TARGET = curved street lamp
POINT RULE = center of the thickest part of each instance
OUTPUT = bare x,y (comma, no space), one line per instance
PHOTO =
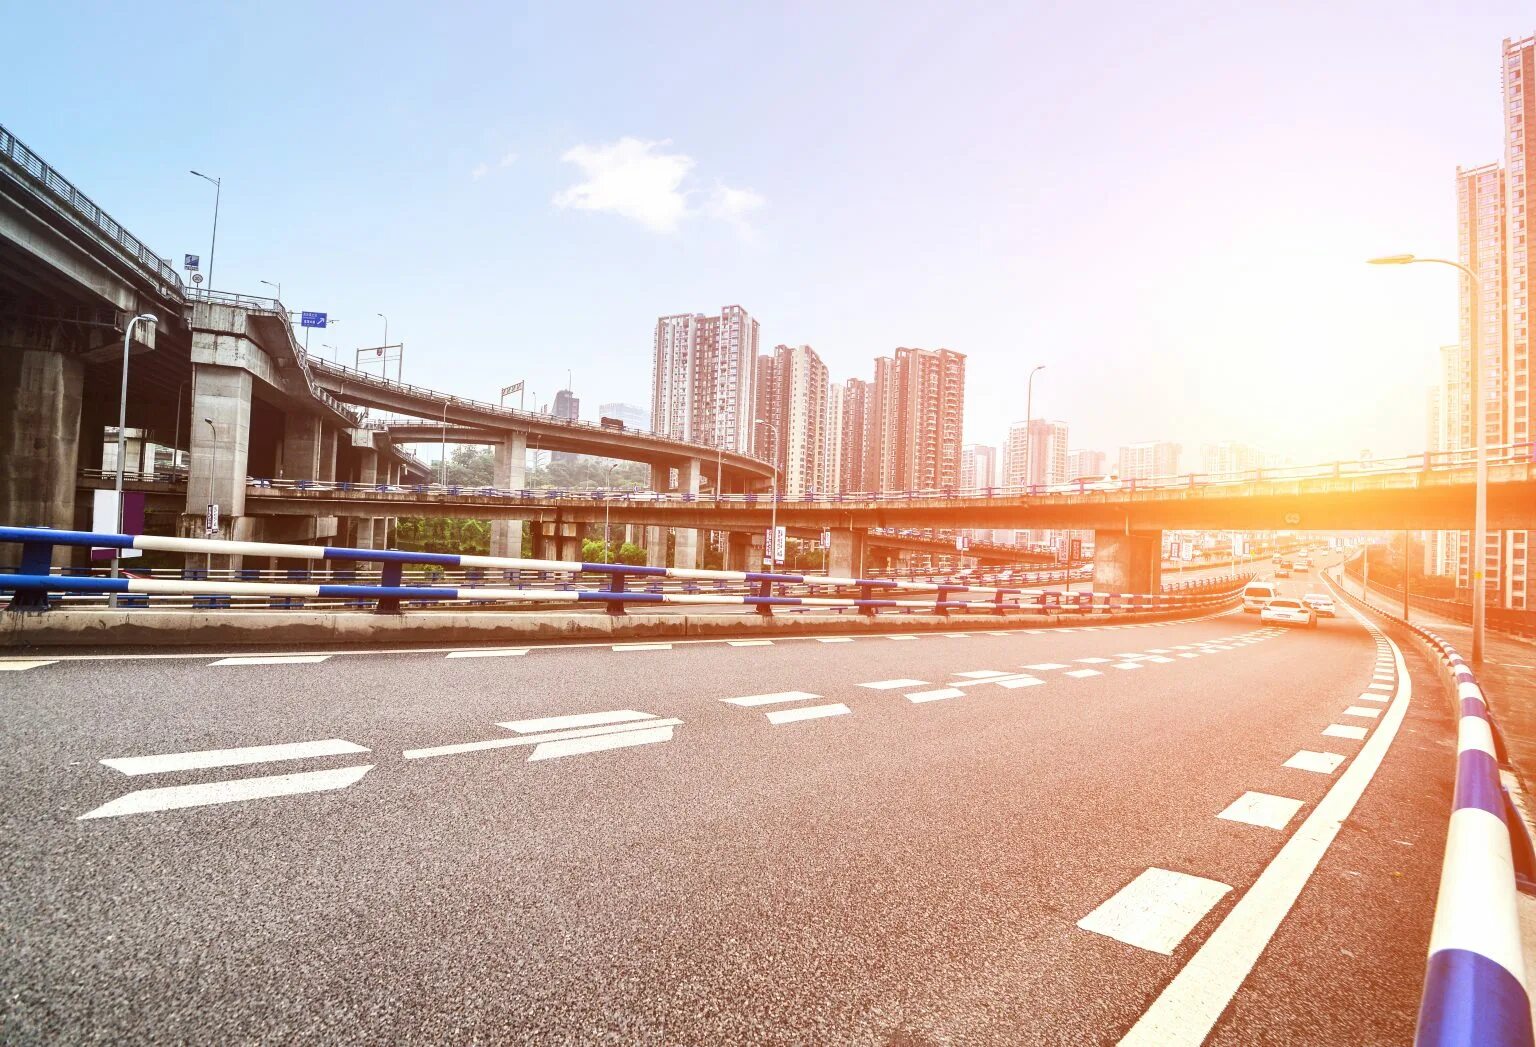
122,441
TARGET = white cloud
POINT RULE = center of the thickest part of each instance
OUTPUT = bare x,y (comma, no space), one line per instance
480,171
507,160
642,181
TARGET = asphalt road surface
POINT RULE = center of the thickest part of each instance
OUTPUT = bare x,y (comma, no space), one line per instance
969,838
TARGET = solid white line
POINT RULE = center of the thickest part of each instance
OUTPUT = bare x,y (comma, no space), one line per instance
1261,809
21,666
600,743
749,643
562,723
274,659
642,647
1187,1009
1083,673
175,797
771,699
136,765
936,695
1321,763
508,653
891,685
1339,730
809,712
1156,910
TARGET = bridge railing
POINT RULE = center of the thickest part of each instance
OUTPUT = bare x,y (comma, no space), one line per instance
1474,983
62,194
33,581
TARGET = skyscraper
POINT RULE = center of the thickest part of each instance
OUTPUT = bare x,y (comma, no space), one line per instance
1081,463
567,405
923,411
1143,461
832,444
978,467
1519,262
1230,456
858,436
703,378
1037,453
800,411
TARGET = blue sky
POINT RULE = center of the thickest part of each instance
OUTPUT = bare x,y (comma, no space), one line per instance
1166,205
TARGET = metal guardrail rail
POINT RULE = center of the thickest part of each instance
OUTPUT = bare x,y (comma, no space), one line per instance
60,193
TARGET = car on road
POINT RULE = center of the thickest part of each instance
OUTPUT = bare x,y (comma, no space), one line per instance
1257,594
1282,572
1285,610
1322,603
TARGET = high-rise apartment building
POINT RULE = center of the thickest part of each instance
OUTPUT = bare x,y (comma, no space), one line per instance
1229,457
632,416
930,409
1449,428
832,442
979,467
1037,453
765,438
1519,267
1081,463
1143,461
801,418
703,378
855,475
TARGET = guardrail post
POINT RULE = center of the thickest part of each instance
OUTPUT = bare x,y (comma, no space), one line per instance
617,586
36,559
390,576
765,588
867,594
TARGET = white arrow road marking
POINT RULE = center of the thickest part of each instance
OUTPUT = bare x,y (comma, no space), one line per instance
273,659
1156,910
1262,809
564,723
1322,763
174,797
22,665
810,712
135,765
598,743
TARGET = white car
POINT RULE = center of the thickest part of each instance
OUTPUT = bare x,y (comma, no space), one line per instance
1322,604
1284,610
1257,594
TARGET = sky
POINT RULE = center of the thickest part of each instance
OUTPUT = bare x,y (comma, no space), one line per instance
1169,206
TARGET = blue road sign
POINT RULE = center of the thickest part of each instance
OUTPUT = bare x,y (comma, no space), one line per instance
311,319
190,261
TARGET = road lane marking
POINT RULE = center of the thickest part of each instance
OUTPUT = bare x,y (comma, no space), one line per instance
536,739
1369,714
963,636
750,700
1158,650
1321,763
273,659
564,723
1339,730
136,765
834,639
175,797
935,695
902,636
21,666
1019,681
1043,667
1127,665
1189,654
600,743
642,647
1093,661
1158,659
1261,809
983,674
1188,1007
1083,673
891,685
511,652
749,643
1156,910
808,712
1372,696
1379,687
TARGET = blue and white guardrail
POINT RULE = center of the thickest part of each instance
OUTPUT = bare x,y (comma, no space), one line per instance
1475,990
34,580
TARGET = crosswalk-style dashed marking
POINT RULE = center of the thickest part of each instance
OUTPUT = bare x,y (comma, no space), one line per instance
1082,674
935,695
1320,763
1045,667
1372,696
1094,661
1127,665
776,698
811,712
1262,809
1339,730
1157,910
892,685
1368,714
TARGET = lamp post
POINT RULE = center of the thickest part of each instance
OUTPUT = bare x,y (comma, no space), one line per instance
607,502
278,286
122,442
1478,561
213,472
1029,414
218,189
773,526
442,456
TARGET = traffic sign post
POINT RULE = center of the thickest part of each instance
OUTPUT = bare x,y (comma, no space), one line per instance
190,262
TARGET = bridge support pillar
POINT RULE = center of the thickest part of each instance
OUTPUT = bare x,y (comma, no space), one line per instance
1127,562
685,547
301,447
219,437
567,541
40,398
510,475
846,557
740,546
656,547
326,467
368,528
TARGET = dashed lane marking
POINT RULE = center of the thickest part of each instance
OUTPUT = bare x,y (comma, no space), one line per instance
1159,659
834,639
1262,809
1189,654
566,723
776,698
647,735
511,652
1372,696
1156,910
935,695
273,659
1094,661
749,643
902,636
983,674
1339,730
1014,683
642,647
1127,665
136,765
1082,673
1046,666
809,712
963,636
891,685
174,797
21,666
1380,687
1321,763
1369,714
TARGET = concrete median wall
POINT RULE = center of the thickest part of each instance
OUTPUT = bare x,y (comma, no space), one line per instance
141,628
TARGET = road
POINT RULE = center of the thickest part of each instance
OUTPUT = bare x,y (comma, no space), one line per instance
970,838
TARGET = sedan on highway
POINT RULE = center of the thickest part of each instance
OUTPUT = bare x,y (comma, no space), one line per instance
1286,611
1322,604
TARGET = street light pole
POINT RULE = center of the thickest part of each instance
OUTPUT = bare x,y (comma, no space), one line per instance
218,189
607,502
1478,561
278,286
443,454
1029,415
213,472
122,443
769,547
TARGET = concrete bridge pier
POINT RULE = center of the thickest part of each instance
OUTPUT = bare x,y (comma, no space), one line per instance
367,473
40,398
685,547
1127,561
511,473
846,557
219,435
656,547
744,551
